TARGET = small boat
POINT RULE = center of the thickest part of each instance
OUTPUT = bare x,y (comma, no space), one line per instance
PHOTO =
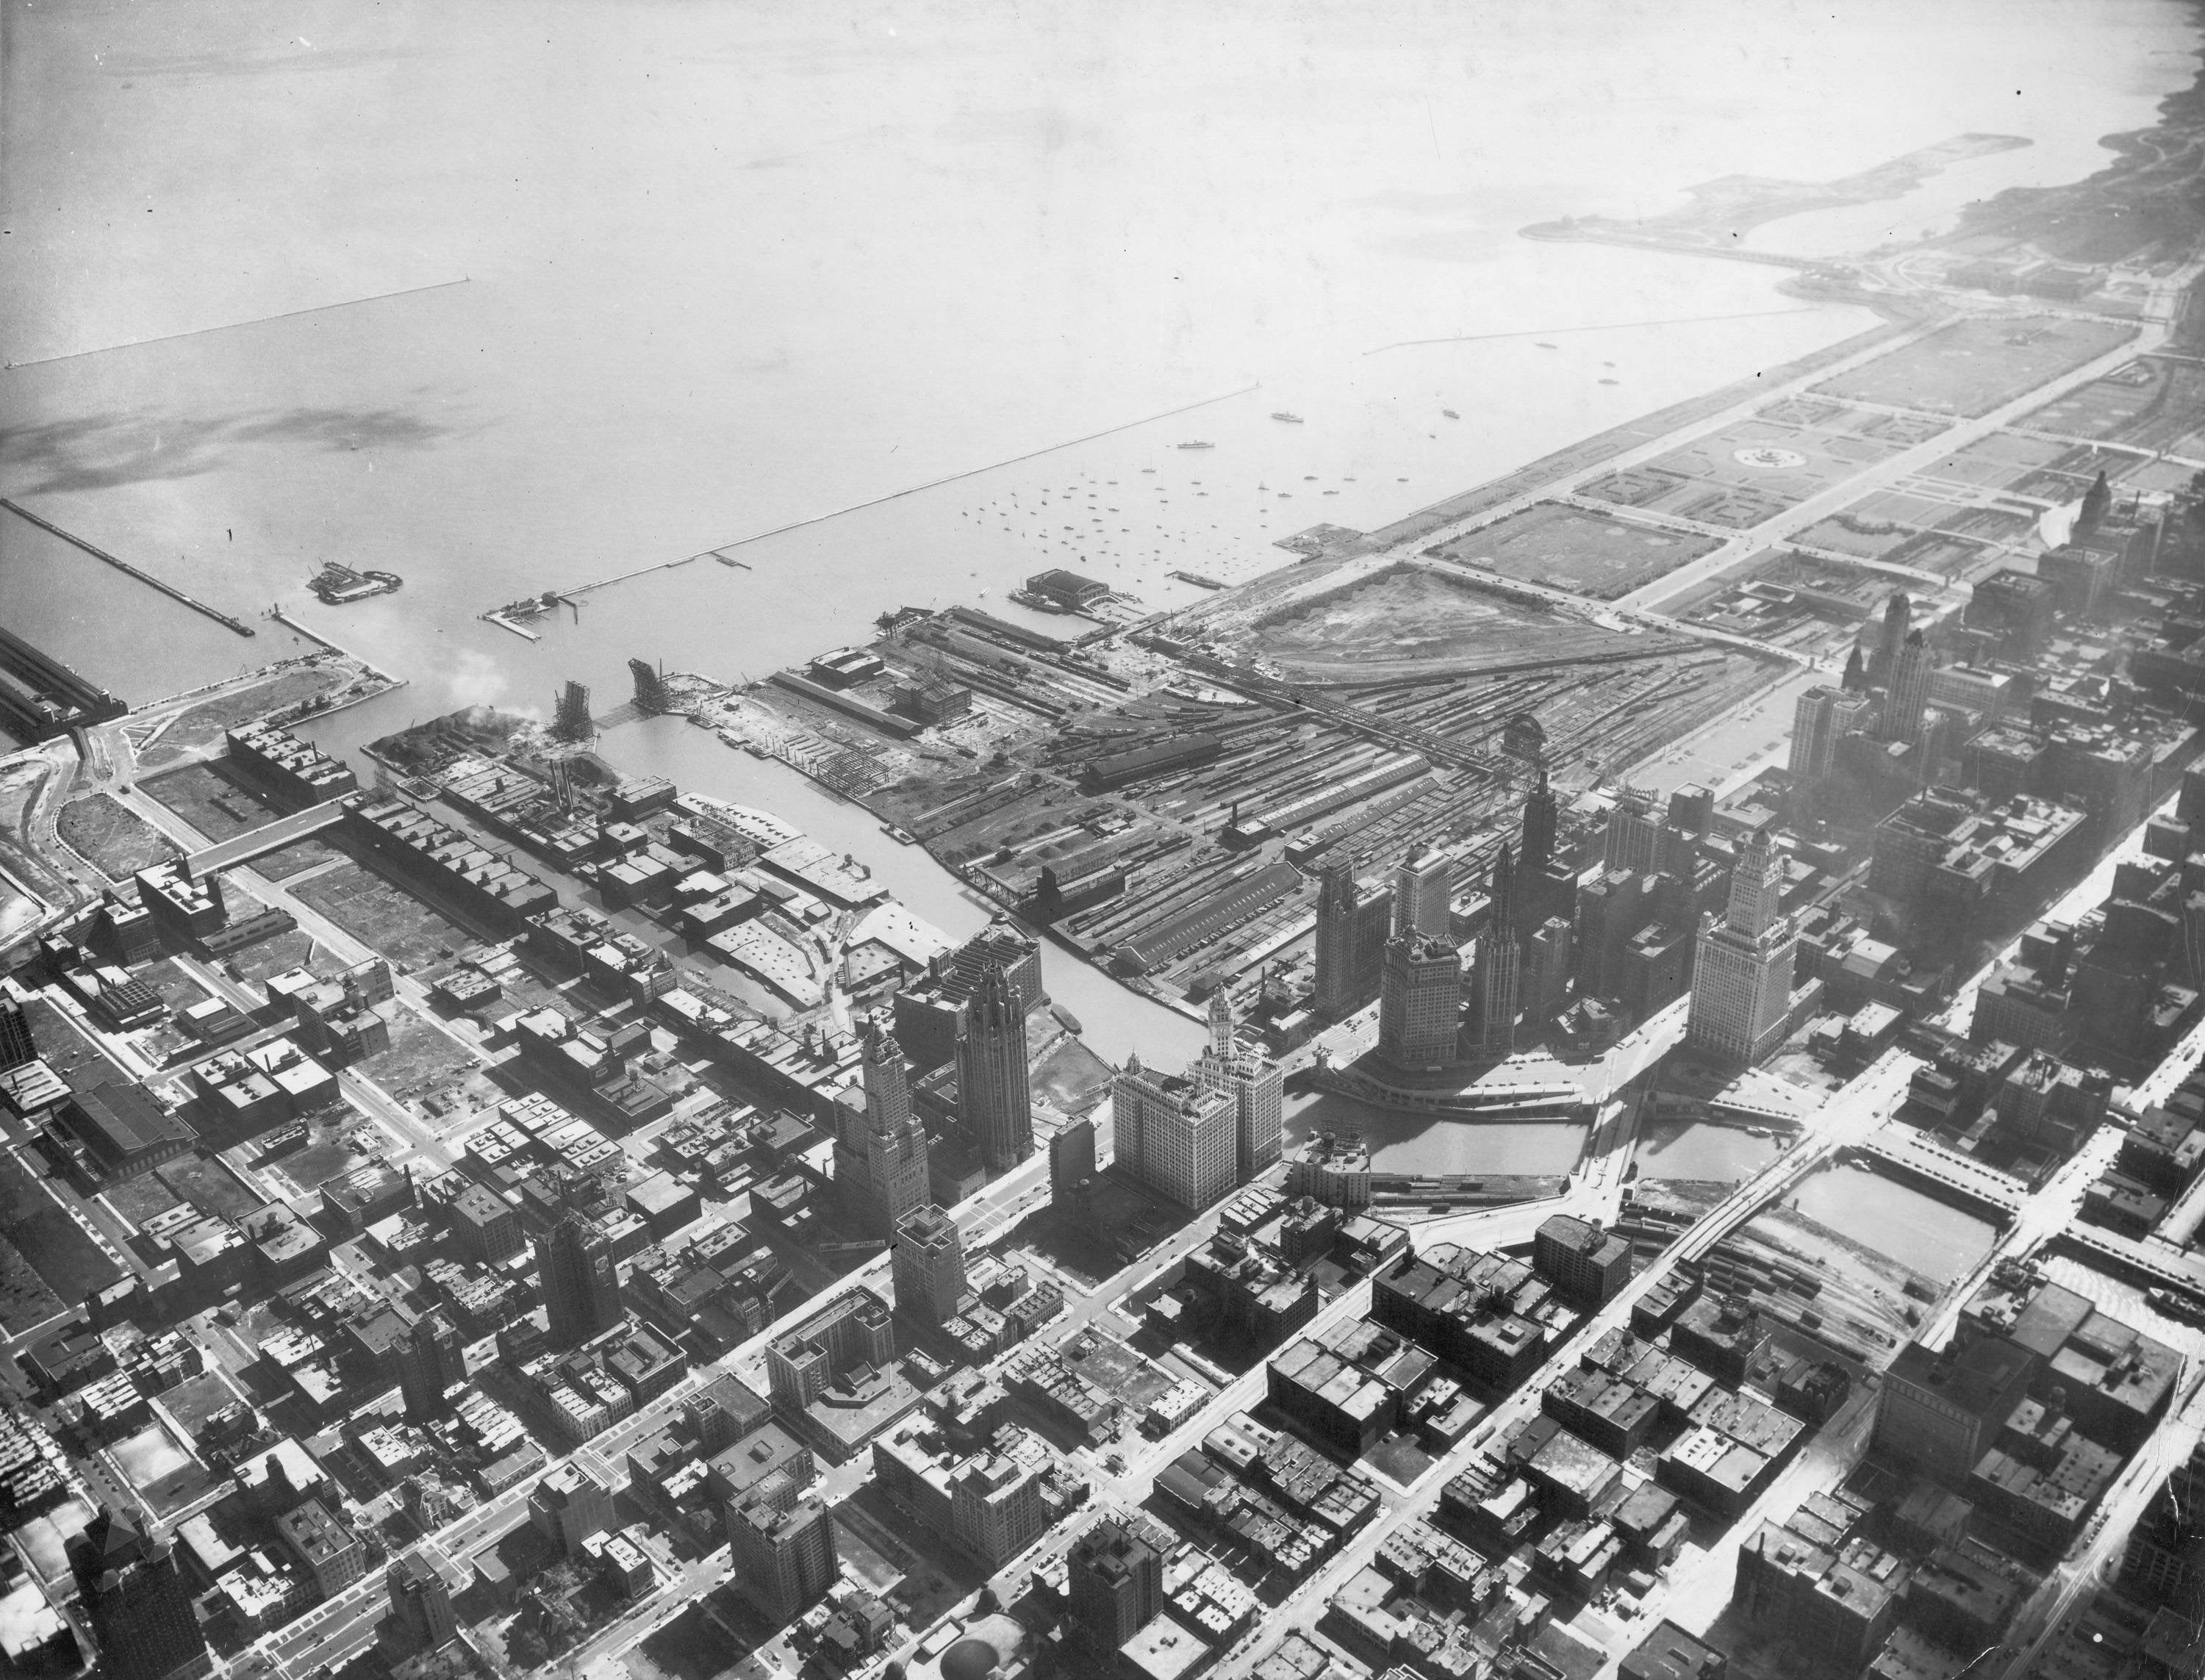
1196,443
901,837
1543,345
1450,414
1291,420
1610,381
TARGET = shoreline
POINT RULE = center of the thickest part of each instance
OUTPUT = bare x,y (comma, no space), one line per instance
1908,307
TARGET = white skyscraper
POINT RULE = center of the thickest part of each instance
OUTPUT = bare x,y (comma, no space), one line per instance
1742,971
1422,888
1174,1136
1821,719
1255,1082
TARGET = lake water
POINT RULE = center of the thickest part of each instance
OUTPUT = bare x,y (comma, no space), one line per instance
1893,1219
503,297
728,267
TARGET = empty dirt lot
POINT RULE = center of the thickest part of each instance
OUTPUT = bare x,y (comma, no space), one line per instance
1572,548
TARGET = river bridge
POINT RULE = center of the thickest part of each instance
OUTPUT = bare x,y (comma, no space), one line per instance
1946,1173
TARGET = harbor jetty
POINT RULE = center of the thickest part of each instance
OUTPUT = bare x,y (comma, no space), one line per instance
120,565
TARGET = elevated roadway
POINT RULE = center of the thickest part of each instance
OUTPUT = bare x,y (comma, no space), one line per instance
267,838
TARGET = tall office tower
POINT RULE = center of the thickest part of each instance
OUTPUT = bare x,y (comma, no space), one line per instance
995,1102
1424,889
1897,625
430,1366
1174,1136
784,1554
1611,907
1548,955
1496,980
1742,975
1351,931
421,1601
139,1606
1823,717
1114,1579
580,1281
1907,694
15,1045
1543,889
1071,1161
1540,808
928,1265
1855,680
888,1160
1634,831
1256,1083
1420,1002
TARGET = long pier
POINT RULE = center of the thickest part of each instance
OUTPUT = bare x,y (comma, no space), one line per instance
721,552
144,577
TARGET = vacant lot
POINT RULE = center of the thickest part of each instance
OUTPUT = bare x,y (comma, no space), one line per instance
205,723
1567,547
209,802
209,1186
1971,367
377,914
296,858
112,837
1417,620
141,1198
421,1062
